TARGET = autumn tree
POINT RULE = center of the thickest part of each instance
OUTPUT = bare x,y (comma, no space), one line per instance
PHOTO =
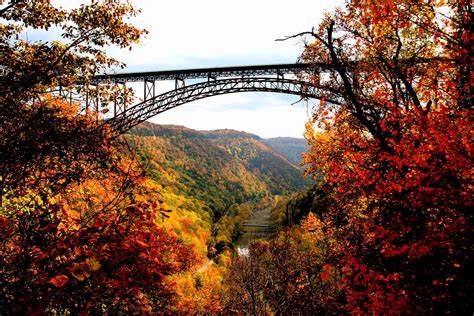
75,234
285,276
35,134
397,151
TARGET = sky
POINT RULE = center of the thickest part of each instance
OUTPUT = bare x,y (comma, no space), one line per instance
214,33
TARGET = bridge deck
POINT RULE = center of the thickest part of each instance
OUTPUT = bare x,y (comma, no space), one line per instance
236,71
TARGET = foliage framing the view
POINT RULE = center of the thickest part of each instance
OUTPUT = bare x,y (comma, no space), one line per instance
393,230
74,234
387,229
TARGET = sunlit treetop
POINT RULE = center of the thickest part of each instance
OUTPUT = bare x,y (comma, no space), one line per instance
86,31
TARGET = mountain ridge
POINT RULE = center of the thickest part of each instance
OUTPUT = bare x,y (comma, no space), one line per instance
219,167
288,148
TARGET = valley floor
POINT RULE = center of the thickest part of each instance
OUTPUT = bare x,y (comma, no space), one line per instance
259,225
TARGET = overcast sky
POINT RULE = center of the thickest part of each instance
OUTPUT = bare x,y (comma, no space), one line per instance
212,33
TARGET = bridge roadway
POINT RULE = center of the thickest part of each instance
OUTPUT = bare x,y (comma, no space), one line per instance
216,72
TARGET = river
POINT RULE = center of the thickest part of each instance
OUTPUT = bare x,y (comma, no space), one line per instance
258,226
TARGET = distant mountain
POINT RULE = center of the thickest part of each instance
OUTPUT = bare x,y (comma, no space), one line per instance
274,169
228,133
219,168
289,147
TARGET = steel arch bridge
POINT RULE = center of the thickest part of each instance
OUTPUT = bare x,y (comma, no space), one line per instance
283,78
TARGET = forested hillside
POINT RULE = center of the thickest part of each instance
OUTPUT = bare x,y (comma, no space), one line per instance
289,147
211,182
187,163
220,167
280,174
219,177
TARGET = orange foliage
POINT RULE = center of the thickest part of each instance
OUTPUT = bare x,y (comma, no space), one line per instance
75,235
396,155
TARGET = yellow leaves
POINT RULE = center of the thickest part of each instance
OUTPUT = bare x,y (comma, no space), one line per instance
314,228
197,290
81,271
38,200
93,264
59,44
165,206
311,223
74,214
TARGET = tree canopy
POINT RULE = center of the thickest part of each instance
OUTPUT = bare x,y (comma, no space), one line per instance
75,234
397,152
390,227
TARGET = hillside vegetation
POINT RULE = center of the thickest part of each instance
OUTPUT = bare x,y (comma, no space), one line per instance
289,147
219,167
219,176
269,165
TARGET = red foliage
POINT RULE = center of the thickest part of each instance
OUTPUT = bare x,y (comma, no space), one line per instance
397,154
73,236
83,244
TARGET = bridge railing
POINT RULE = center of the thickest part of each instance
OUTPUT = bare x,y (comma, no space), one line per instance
200,73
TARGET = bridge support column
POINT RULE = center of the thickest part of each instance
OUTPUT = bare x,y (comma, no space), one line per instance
87,100
66,94
96,101
92,98
119,100
148,89
179,83
211,78
280,76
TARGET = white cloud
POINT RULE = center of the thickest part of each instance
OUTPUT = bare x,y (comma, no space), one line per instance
199,33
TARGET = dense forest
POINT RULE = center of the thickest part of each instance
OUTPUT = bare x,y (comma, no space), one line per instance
150,222
291,148
219,175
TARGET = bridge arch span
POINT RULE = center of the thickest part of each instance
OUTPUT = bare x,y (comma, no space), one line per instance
140,112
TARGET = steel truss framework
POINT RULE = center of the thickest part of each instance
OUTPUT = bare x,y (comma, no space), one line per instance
138,113
223,80
217,81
